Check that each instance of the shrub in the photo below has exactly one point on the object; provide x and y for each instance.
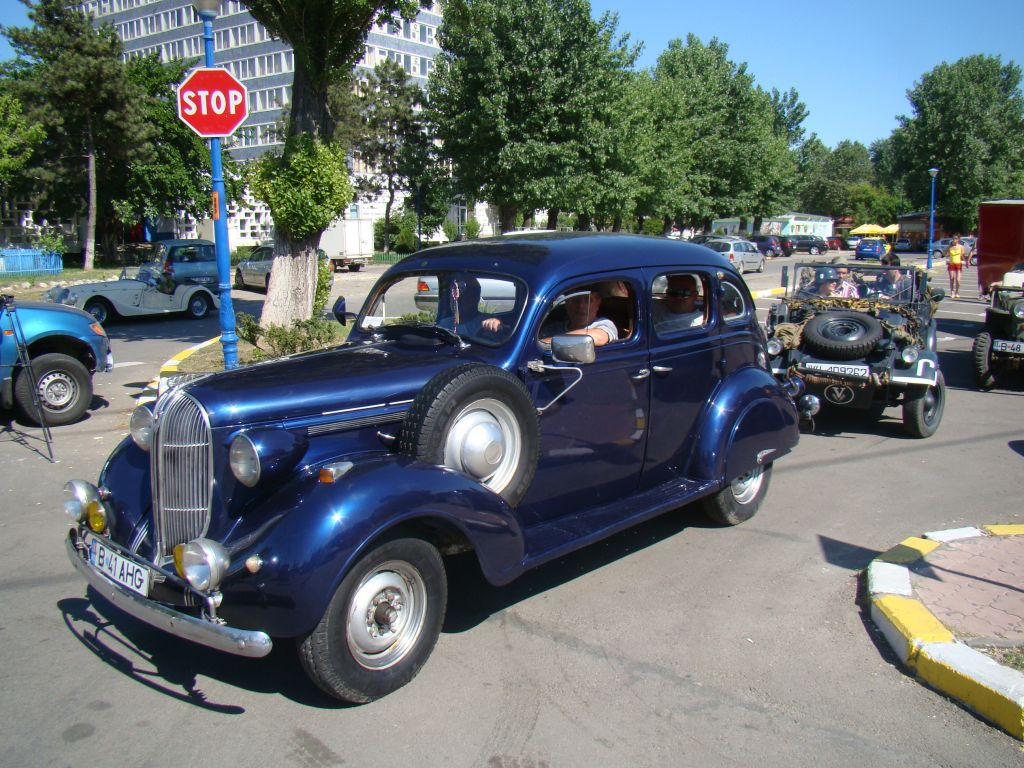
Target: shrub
(278, 341)
(450, 229)
(324, 280)
(472, 229)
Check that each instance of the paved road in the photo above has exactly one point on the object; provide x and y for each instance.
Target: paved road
(675, 643)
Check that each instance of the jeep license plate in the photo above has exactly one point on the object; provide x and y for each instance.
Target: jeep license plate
(1013, 347)
(118, 569)
(840, 369)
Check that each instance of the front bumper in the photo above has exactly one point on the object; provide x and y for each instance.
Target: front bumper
(241, 642)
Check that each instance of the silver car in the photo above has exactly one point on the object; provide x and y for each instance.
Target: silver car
(742, 254)
(254, 272)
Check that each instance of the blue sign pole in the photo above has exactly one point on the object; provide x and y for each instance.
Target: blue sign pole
(931, 218)
(228, 339)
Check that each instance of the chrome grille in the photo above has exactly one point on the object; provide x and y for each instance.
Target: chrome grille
(182, 468)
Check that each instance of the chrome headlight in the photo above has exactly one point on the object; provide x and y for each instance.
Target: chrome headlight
(244, 461)
(141, 427)
(910, 354)
(79, 498)
(1018, 310)
(68, 297)
(774, 346)
(202, 563)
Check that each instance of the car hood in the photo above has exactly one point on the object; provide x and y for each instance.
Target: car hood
(39, 309)
(312, 384)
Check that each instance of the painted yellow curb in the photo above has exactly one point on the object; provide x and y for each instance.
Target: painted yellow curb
(914, 622)
(171, 366)
(909, 550)
(1005, 530)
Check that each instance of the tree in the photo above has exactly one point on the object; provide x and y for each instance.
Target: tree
(18, 140)
(393, 135)
(790, 114)
(830, 175)
(968, 121)
(522, 95)
(328, 38)
(70, 77)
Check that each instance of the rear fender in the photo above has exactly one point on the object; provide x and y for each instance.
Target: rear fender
(322, 529)
(750, 422)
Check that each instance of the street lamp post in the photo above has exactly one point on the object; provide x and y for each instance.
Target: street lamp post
(931, 217)
(229, 341)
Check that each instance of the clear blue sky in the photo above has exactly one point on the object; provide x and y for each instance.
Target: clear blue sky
(851, 63)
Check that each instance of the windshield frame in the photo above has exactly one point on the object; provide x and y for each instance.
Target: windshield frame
(797, 290)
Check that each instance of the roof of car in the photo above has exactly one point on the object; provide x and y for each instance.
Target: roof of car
(540, 257)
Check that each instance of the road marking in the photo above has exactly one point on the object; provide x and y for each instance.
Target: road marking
(130, 363)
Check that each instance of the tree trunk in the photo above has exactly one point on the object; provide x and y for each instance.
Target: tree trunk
(291, 291)
(617, 224)
(89, 252)
(553, 218)
(666, 225)
(758, 220)
(583, 222)
(507, 214)
(309, 113)
(387, 221)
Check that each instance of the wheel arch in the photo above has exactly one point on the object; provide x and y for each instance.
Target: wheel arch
(64, 345)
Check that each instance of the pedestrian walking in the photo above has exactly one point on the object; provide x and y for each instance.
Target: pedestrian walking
(954, 264)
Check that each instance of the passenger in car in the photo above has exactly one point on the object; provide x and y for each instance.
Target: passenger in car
(678, 310)
(581, 319)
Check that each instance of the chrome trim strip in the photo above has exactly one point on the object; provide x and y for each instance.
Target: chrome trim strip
(365, 421)
(350, 410)
(240, 642)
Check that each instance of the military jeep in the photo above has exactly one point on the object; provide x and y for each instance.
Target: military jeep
(1000, 347)
(859, 337)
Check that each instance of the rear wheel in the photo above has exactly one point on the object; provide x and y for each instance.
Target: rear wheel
(198, 305)
(63, 385)
(815, 250)
(354, 267)
(982, 352)
(740, 500)
(100, 309)
(381, 624)
(923, 406)
(760, 266)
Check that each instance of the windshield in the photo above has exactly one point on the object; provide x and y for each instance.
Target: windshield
(480, 308)
(896, 285)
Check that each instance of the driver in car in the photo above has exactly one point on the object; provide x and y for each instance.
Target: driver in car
(581, 319)
(894, 283)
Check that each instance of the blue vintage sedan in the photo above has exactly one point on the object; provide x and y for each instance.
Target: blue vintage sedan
(315, 498)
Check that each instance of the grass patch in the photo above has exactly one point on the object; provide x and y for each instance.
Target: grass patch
(211, 358)
(1008, 657)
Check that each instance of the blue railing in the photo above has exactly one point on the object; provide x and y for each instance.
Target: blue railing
(29, 261)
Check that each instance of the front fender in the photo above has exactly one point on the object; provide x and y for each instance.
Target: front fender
(749, 422)
(322, 529)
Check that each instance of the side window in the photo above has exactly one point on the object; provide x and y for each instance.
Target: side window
(602, 309)
(678, 302)
(733, 305)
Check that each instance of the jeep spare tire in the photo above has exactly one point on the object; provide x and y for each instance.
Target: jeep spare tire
(842, 335)
(479, 420)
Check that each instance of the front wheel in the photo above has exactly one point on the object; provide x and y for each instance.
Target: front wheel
(740, 500)
(354, 267)
(381, 624)
(923, 406)
(100, 309)
(760, 266)
(982, 352)
(63, 385)
(198, 305)
(239, 280)
(815, 250)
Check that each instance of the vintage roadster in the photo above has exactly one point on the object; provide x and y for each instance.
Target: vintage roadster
(313, 498)
(146, 292)
(860, 337)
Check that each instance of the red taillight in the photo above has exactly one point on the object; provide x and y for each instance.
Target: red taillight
(169, 267)
(422, 287)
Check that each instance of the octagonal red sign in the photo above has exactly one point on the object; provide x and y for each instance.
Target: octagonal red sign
(212, 102)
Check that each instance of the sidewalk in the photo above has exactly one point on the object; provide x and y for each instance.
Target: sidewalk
(939, 597)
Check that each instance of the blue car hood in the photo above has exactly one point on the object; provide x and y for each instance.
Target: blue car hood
(314, 383)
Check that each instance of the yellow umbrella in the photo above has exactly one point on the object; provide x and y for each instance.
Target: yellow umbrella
(892, 229)
(867, 229)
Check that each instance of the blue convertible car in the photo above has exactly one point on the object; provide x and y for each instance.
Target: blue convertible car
(316, 497)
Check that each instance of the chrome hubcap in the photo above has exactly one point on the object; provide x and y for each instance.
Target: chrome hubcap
(57, 390)
(484, 442)
(745, 487)
(386, 615)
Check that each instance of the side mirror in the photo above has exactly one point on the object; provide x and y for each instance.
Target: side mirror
(338, 310)
(573, 349)
(938, 294)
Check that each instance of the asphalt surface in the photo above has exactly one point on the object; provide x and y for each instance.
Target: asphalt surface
(673, 643)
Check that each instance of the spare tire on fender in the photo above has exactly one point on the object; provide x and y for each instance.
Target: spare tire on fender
(479, 420)
(842, 335)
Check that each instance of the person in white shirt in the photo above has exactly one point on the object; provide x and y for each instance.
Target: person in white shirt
(581, 310)
(677, 311)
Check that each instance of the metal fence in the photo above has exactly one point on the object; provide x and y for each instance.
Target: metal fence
(388, 258)
(29, 261)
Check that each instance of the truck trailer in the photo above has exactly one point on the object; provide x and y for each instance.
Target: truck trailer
(1000, 244)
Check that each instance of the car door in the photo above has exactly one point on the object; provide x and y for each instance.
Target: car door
(685, 372)
(256, 269)
(593, 432)
(751, 257)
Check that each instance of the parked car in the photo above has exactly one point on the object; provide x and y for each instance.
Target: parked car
(742, 255)
(65, 347)
(812, 244)
(188, 261)
(144, 292)
(852, 241)
(870, 248)
(970, 249)
(313, 498)
(874, 349)
(769, 245)
(902, 245)
(788, 245)
(835, 243)
(999, 349)
(254, 271)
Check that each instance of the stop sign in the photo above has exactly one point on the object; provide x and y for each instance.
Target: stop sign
(212, 102)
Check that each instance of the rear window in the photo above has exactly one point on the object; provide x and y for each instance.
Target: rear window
(719, 246)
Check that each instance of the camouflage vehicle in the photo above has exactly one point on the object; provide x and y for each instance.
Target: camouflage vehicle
(1000, 347)
(859, 337)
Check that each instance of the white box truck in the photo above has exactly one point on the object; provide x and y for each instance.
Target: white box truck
(348, 243)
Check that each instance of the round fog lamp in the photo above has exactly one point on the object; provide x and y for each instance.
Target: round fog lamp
(774, 346)
(78, 494)
(141, 427)
(96, 516)
(202, 563)
(244, 461)
(1018, 310)
(910, 355)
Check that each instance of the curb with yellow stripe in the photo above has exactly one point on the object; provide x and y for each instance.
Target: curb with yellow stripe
(156, 387)
(928, 648)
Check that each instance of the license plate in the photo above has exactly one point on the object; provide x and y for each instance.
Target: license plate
(1013, 347)
(841, 369)
(118, 569)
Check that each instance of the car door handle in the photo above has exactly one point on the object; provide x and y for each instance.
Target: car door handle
(640, 375)
(662, 369)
